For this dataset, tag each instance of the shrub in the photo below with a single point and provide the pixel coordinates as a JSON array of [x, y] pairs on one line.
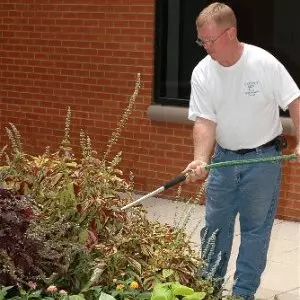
[[72, 229]]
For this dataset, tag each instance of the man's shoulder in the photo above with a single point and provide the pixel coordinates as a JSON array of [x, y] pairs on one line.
[[259, 55], [203, 65]]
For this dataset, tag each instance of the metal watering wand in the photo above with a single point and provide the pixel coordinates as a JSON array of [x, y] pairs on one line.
[[184, 175]]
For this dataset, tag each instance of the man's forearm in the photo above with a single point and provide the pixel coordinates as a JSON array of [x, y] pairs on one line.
[[204, 134], [294, 109]]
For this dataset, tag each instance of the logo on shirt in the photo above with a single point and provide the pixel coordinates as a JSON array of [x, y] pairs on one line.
[[251, 88]]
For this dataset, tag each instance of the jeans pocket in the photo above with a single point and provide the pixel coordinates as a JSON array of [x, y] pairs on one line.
[[268, 152], [218, 154]]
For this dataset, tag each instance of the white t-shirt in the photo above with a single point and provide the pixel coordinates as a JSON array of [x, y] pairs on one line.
[[243, 99]]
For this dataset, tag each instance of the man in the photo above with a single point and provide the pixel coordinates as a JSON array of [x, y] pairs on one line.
[[235, 97]]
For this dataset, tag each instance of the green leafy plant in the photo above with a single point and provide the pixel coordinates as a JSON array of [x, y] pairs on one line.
[[83, 239], [4, 290], [170, 291], [63, 234], [175, 290]]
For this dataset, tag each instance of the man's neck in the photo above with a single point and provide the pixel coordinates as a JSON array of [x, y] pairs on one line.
[[235, 55]]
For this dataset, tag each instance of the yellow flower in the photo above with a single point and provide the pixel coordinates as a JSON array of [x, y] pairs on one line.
[[120, 287], [134, 285]]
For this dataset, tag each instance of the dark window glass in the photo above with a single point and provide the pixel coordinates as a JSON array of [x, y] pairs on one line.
[[270, 24]]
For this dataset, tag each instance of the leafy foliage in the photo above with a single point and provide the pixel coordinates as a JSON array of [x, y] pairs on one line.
[[62, 229], [76, 236], [19, 257]]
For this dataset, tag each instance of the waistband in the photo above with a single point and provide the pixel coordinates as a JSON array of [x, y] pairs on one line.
[[279, 142]]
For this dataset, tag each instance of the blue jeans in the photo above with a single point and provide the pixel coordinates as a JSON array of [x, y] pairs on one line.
[[252, 191]]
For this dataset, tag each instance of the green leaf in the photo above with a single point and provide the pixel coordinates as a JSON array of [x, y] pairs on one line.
[[3, 291], [67, 194], [71, 191], [144, 296], [195, 296], [181, 290], [99, 225], [83, 236], [162, 292], [36, 294], [104, 296], [6, 288], [167, 273], [76, 297]]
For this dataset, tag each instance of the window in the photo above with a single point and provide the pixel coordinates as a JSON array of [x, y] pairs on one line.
[[270, 24]]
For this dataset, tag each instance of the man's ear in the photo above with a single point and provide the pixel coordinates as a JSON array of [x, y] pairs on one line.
[[232, 33]]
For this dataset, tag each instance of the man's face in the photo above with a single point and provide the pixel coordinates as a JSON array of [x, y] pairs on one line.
[[214, 39]]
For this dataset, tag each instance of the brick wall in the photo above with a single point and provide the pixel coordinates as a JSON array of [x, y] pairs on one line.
[[85, 54]]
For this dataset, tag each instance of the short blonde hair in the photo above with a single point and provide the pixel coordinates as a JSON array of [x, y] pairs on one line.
[[218, 12]]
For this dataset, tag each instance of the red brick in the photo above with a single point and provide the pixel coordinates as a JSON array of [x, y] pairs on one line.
[[294, 213], [87, 55]]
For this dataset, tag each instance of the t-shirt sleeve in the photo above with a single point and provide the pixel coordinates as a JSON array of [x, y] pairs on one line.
[[201, 104], [286, 89]]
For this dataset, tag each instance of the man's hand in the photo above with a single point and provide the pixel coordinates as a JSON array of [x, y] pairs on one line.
[[198, 171], [294, 109], [297, 151]]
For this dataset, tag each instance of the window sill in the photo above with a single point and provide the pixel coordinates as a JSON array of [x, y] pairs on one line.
[[179, 115]]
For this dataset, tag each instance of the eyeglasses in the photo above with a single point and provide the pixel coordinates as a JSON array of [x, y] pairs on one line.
[[210, 41]]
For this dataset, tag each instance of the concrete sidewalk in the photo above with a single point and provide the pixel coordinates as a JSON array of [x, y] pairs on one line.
[[281, 277]]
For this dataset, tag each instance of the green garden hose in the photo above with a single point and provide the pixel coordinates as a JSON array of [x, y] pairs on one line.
[[230, 163], [251, 161]]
